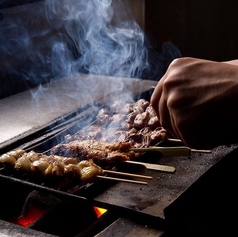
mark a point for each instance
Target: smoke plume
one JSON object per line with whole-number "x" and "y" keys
{"x": 46, "y": 40}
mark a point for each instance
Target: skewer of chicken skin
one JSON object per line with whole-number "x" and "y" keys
{"x": 86, "y": 170}
{"x": 38, "y": 163}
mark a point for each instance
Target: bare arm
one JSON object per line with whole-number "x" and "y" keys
{"x": 233, "y": 62}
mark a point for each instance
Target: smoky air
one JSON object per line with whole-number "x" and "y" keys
{"x": 43, "y": 41}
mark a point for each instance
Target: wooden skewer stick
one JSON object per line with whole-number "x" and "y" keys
{"x": 127, "y": 174}
{"x": 149, "y": 166}
{"x": 122, "y": 180}
{"x": 170, "y": 151}
{"x": 174, "y": 140}
{"x": 200, "y": 151}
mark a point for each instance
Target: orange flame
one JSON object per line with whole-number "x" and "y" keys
{"x": 99, "y": 211}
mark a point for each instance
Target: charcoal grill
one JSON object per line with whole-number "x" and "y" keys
{"x": 170, "y": 203}
{"x": 199, "y": 199}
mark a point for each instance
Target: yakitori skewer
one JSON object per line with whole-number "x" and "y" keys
{"x": 42, "y": 164}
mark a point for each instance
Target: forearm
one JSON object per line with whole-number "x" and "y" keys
{"x": 233, "y": 62}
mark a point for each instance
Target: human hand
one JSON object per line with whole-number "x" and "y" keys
{"x": 196, "y": 100}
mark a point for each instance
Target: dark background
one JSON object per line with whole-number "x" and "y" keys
{"x": 199, "y": 28}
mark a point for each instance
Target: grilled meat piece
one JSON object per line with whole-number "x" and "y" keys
{"x": 144, "y": 137}
{"x": 118, "y": 120}
{"x": 141, "y": 120}
{"x": 120, "y": 107}
{"x": 93, "y": 132}
{"x": 141, "y": 105}
{"x": 11, "y": 157}
{"x": 99, "y": 152}
{"x": 103, "y": 117}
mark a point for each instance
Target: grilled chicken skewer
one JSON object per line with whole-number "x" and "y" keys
{"x": 85, "y": 170}
{"x": 99, "y": 152}
{"x": 42, "y": 164}
{"x": 104, "y": 153}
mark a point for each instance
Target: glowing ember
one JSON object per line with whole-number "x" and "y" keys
{"x": 99, "y": 211}
{"x": 33, "y": 214}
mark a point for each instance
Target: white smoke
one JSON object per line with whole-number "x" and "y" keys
{"x": 107, "y": 40}
{"x": 47, "y": 40}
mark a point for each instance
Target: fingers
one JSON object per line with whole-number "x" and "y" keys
{"x": 164, "y": 113}
{"x": 165, "y": 93}
{"x": 158, "y": 98}
{"x": 159, "y": 101}
{"x": 155, "y": 98}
